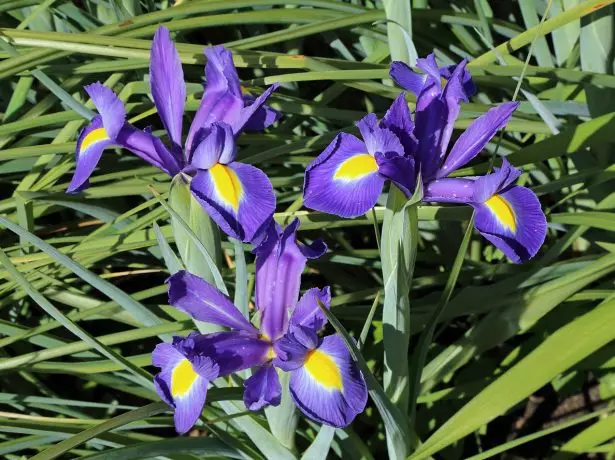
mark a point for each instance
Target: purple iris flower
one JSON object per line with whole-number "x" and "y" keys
{"x": 325, "y": 383}
{"x": 239, "y": 197}
{"x": 347, "y": 178}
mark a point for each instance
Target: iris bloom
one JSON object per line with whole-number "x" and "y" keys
{"x": 325, "y": 383}
{"x": 239, "y": 197}
{"x": 347, "y": 178}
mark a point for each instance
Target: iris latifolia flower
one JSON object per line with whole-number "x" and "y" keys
{"x": 237, "y": 196}
{"x": 325, "y": 383}
{"x": 347, "y": 178}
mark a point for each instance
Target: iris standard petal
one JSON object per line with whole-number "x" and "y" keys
{"x": 167, "y": 84}
{"x": 308, "y": 313}
{"x": 234, "y": 350}
{"x": 238, "y": 197}
{"x": 344, "y": 179}
{"x": 407, "y": 78}
{"x": 450, "y": 190}
{"x": 476, "y": 136}
{"x": 263, "y": 117}
{"x": 280, "y": 262}
{"x": 468, "y": 84}
{"x": 182, "y": 382}
{"x": 398, "y": 120}
{"x": 262, "y": 389}
{"x": 222, "y": 99}
{"x": 329, "y": 387}
{"x": 513, "y": 222}
{"x": 378, "y": 139}
{"x": 109, "y": 106}
{"x": 247, "y": 113}
{"x": 92, "y": 141}
{"x": 399, "y": 169}
{"x": 217, "y": 146}
{"x": 487, "y": 186}
{"x": 202, "y": 301}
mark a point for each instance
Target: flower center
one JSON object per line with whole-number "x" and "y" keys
{"x": 324, "y": 370}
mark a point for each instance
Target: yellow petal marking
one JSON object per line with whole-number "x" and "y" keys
{"x": 503, "y": 211}
{"x": 94, "y": 136}
{"x": 182, "y": 378}
{"x": 356, "y": 167}
{"x": 227, "y": 184}
{"x": 324, "y": 370}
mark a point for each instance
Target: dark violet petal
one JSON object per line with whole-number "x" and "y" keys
{"x": 399, "y": 169}
{"x": 92, "y": 141}
{"x": 237, "y": 196}
{"x": 343, "y": 180}
{"x": 429, "y": 124}
{"x": 263, "y": 117}
{"x": 218, "y": 145}
{"x": 246, "y": 113}
{"x": 398, "y": 120}
{"x": 222, "y": 100}
{"x": 202, "y": 301}
{"x": 468, "y": 84}
{"x": 109, "y": 106}
{"x": 407, "y": 78}
{"x": 450, "y": 190}
{"x": 205, "y": 367}
{"x": 307, "y": 313}
{"x": 233, "y": 351}
{"x": 378, "y": 139}
{"x": 167, "y": 84}
{"x": 289, "y": 353}
{"x": 329, "y": 388}
{"x": 487, "y": 186}
{"x": 476, "y": 136}
{"x": 262, "y": 389}
{"x": 429, "y": 65}
{"x": 150, "y": 148}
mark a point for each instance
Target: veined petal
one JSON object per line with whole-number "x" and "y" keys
{"x": 262, "y": 389}
{"x": 218, "y": 146}
{"x": 280, "y": 261}
{"x": 344, "y": 179}
{"x": 378, "y": 139}
{"x": 307, "y": 313}
{"x": 238, "y": 197}
{"x": 398, "y": 120}
{"x": 222, "y": 100}
{"x": 92, "y": 140}
{"x": 247, "y": 113}
{"x": 234, "y": 350}
{"x": 195, "y": 296}
{"x": 476, "y": 136}
{"x": 109, "y": 106}
{"x": 329, "y": 388}
{"x": 399, "y": 169}
{"x": 182, "y": 382}
{"x": 263, "y": 117}
{"x": 167, "y": 84}
{"x": 513, "y": 222}
{"x": 450, "y": 190}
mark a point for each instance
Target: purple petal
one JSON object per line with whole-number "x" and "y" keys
{"x": 307, "y": 313}
{"x": 487, "y": 186}
{"x": 468, "y": 84}
{"x": 167, "y": 84}
{"x": 238, "y": 197}
{"x": 262, "y": 389}
{"x": 222, "y": 100}
{"x": 377, "y": 139}
{"x": 429, "y": 65}
{"x": 109, "y": 106}
{"x": 234, "y": 351}
{"x": 292, "y": 349}
{"x": 150, "y": 148}
{"x": 399, "y": 169}
{"x": 202, "y": 301}
{"x": 218, "y": 145}
{"x": 92, "y": 141}
{"x": 398, "y": 120}
{"x": 343, "y": 180}
{"x": 407, "y": 78}
{"x": 450, "y": 190}
{"x": 279, "y": 265}
{"x": 263, "y": 117}
{"x": 246, "y": 113}
{"x": 513, "y": 222}
{"x": 329, "y": 388}
{"x": 478, "y": 134}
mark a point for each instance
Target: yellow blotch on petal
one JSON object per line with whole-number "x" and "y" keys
{"x": 503, "y": 211}
{"x": 356, "y": 167}
{"x": 324, "y": 370}
{"x": 182, "y": 378}
{"x": 94, "y": 136}
{"x": 271, "y": 353}
{"x": 227, "y": 184}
